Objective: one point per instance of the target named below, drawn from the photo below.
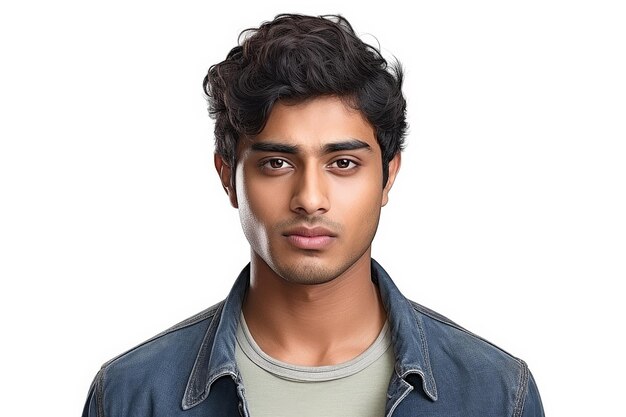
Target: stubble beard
(313, 270)
(306, 273)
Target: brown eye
(276, 163)
(343, 163)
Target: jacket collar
(407, 333)
(216, 356)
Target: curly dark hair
(294, 58)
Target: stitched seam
(522, 390)
(399, 400)
(206, 392)
(426, 354)
(222, 373)
(100, 393)
(442, 319)
(194, 372)
(203, 315)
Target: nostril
(310, 196)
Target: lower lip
(310, 242)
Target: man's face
(309, 190)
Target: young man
(309, 126)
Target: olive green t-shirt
(354, 388)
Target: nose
(310, 192)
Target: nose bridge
(310, 192)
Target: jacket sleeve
(92, 406)
(532, 404)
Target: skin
(316, 164)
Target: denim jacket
(441, 369)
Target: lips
(315, 238)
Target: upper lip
(310, 231)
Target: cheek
(359, 202)
(258, 203)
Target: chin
(308, 273)
(313, 270)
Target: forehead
(315, 123)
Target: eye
(344, 164)
(274, 164)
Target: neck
(313, 325)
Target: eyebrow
(348, 145)
(274, 147)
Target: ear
(226, 176)
(394, 167)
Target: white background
(508, 215)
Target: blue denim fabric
(190, 370)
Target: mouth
(315, 238)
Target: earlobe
(224, 171)
(394, 167)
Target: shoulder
(160, 365)
(179, 337)
(442, 332)
(467, 365)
